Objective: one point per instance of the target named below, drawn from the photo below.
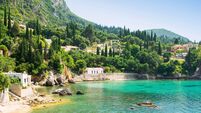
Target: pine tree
(5, 16)
(30, 52)
(159, 48)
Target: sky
(180, 16)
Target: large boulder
(63, 92)
(50, 82)
(60, 80)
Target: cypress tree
(98, 51)
(155, 37)
(102, 52)
(5, 16)
(159, 48)
(27, 32)
(113, 53)
(1, 29)
(37, 27)
(9, 20)
(106, 51)
(45, 52)
(30, 55)
(40, 48)
(110, 52)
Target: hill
(52, 12)
(163, 34)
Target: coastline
(26, 105)
(131, 76)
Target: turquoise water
(120, 96)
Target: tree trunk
(4, 96)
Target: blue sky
(180, 16)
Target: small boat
(147, 104)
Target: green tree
(6, 64)
(15, 29)
(98, 50)
(4, 81)
(110, 52)
(159, 48)
(102, 52)
(9, 21)
(55, 63)
(5, 16)
(106, 50)
(81, 66)
(37, 29)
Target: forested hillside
(51, 12)
(168, 36)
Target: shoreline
(130, 76)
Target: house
(25, 79)
(185, 47)
(69, 48)
(94, 71)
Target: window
(24, 80)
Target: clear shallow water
(120, 96)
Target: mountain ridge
(163, 33)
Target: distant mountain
(163, 33)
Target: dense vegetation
(27, 49)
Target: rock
(49, 83)
(71, 81)
(79, 93)
(65, 92)
(132, 108)
(57, 91)
(60, 80)
(62, 85)
(62, 92)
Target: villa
(25, 79)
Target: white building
(69, 48)
(25, 79)
(94, 71)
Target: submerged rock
(79, 93)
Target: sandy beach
(15, 107)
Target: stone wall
(114, 76)
(19, 91)
(127, 76)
